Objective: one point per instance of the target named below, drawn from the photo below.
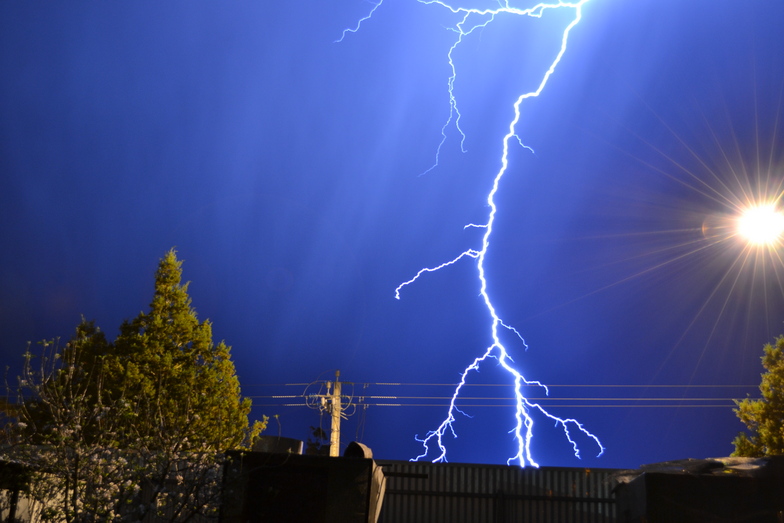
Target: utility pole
(332, 402)
(336, 410)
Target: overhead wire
(378, 400)
(581, 385)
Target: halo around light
(761, 225)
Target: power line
(512, 406)
(594, 385)
(509, 398)
(320, 395)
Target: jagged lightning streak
(359, 23)
(523, 429)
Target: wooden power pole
(336, 408)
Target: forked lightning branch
(468, 21)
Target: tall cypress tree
(184, 386)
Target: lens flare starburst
(714, 229)
(761, 225)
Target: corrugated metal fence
(419, 492)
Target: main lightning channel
(523, 429)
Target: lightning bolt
(359, 22)
(471, 20)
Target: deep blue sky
(285, 169)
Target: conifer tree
(764, 417)
(184, 386)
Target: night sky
(287, 171)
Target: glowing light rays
(727, 167)
(761, 225)
(471, 20)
